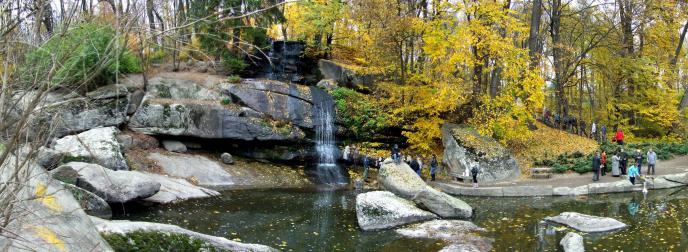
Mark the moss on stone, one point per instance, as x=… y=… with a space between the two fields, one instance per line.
x=156 y=241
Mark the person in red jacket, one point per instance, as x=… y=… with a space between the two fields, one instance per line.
x=619 y=137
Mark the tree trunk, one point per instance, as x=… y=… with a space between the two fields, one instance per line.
x=151 y=17
x=674 y=61
x=534 y=47
x=555 y=28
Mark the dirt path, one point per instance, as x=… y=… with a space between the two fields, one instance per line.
x=672 y=166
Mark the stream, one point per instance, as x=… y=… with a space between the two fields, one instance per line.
x=319 y=219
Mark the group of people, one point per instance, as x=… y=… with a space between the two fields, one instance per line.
x=579 y=127
x=620 y=164
x=416 y=163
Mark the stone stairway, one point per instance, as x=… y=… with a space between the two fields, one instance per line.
x=541 y=173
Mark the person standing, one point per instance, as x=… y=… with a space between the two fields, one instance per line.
x=475 y=170
x=651 y=161
x=619 y=137
x=396 y=153
x=420 y=164
x=596 y=162
x=603 y=160
x=366 y=163
x=615 y=165
x=624 y=161
x=414 y=166
x=638 y=158
x=632 y=173
x=433 y=167
x=603 y=136
x=593 y=131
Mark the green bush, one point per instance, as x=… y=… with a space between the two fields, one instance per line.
x=234 y=79
x=155 y=241
x=232 y=63
x=360 y=115
x=90 y=50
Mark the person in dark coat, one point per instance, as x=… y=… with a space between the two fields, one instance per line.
x=475 y=170
x=624 y=161
x=415 y=166
x=596 y=162
x=396 y=153
x=638 y=157
x=433 y=167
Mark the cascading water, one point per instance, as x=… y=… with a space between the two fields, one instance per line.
x=327 y=170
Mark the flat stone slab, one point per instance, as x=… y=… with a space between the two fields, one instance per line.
x=528 y=191
x=587 y=223
x=610 y=187
x=569 y=191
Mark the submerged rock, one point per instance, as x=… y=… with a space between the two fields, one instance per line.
x=201 y=170
x=381 y=210
x=112 y=186
x=461 y=234
x=572 y=242
x=587 y=223
x=442 y=204
x=219 y=243
x=97 y=145
x=463 y=146
x=90 y=202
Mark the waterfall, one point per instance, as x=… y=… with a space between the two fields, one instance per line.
x=327 y=170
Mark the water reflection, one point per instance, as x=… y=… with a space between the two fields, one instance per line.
x=656 y=222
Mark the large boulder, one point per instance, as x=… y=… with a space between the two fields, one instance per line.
x=203 y=171
x=106 y=106
x=279 y=100
x=90 y=202
x=381 y=210
x=124 y=227
x=442 y=204
x=173 y=190
x=572 y=242
x=44 y=216
x=112 y=186
x=97 y=145
x=463 y=146
x=587 y=223
x=400 y=179
x=459 y=233
x=681 y=178
x=345 y=75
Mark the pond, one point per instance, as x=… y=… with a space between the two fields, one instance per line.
x=325 y=220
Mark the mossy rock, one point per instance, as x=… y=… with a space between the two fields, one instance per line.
x=156 y=241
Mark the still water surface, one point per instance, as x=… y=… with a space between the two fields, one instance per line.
x=325 y=220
